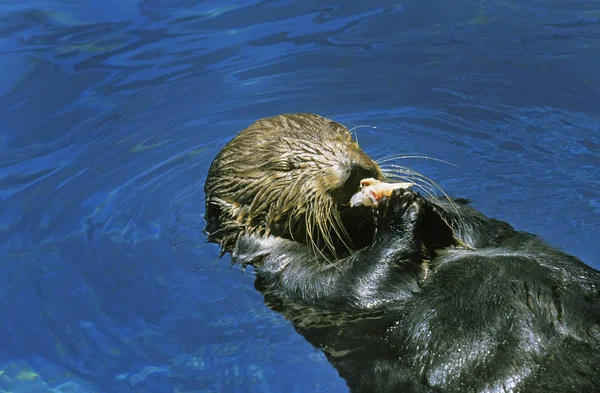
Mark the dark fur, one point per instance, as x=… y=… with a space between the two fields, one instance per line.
x=439 y=302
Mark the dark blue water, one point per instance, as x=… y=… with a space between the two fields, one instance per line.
x=112 y=110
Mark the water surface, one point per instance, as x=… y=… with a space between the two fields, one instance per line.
x=112 y=111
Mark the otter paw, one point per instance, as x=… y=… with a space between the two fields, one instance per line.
x=372 y=191
x=402 y=206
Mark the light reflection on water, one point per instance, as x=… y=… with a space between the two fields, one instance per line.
x=113 y=110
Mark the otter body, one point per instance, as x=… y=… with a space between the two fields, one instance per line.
x=418 y=294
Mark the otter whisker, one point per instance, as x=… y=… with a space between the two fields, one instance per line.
x=419 y=183
x=411 y=175
x=429 y=181
x=404 y=170
x=290 y=222
x=411 y=156
x=313 y=245
x=326 y=224
x=336 y=264
x=308 y=226
x=362 y=126
x=407 y=173
x=320 y=225
x=357 y=127
x=310 y=233
x=335 y=222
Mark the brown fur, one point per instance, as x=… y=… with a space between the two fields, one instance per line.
x=288 y=176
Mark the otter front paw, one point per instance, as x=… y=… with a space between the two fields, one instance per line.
x=372 y=191
x=403 y=207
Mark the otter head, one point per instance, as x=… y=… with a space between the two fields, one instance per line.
x=290 y=176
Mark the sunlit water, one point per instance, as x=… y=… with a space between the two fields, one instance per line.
x=112 y=111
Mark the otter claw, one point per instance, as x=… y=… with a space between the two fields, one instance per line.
x=372 y=191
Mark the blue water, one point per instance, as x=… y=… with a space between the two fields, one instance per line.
x=112 y=110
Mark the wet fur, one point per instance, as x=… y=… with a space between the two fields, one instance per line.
x=287 y=176
x=443 y=299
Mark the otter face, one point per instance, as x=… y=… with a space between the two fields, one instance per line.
x=290 y=176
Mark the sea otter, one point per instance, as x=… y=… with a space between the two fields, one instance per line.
x=414 y=294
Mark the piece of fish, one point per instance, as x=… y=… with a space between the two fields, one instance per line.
x=372 y=190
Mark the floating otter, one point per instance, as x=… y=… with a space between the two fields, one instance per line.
x=412 y=294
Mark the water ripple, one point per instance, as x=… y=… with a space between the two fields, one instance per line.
x=113 y=110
